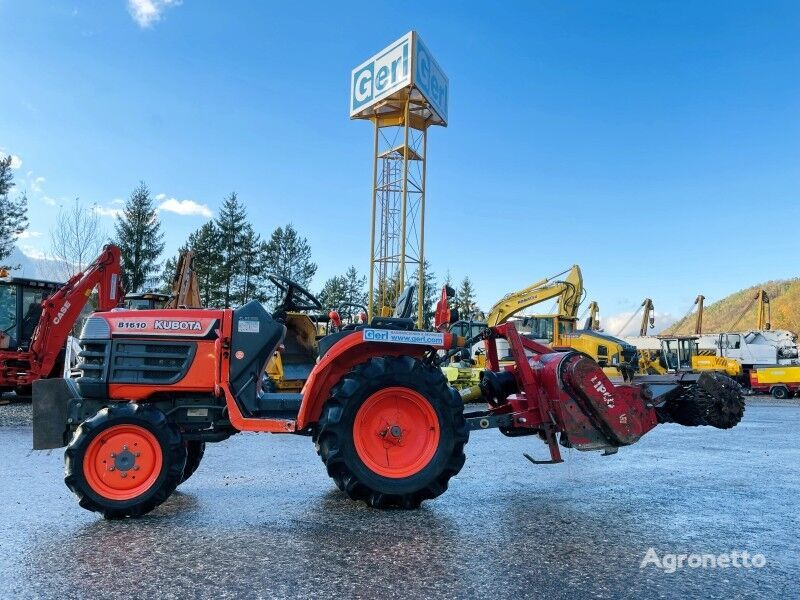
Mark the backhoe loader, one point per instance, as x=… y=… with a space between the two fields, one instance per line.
x=33 y=345
x=152 y=385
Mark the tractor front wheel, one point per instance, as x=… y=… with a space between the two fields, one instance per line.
x=393 y=432
x=124 y=461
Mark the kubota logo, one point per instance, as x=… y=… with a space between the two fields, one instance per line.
x=61 y=312
x=177 y=325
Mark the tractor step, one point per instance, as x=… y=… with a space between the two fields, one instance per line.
x=279 y=402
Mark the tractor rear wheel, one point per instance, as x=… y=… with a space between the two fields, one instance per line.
x=194 y=454
x=124 y=461
x=392 y=433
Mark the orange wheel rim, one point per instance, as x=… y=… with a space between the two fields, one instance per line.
x=122 y=462
x=396 y=432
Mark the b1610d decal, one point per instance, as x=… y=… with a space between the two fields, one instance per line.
x=190 y=327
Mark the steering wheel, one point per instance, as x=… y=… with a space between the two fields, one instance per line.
x=296 y=298
x=344 y=305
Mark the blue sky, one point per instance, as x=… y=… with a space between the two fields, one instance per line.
x=656 y=144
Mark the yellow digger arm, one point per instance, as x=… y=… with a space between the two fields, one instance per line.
x=569 y=292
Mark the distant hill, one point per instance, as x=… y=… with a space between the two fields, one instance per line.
x=721 y=315
x=29 y=266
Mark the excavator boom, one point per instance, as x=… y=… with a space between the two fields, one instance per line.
x=568 y=291
x=59 y=314
x=185 y=291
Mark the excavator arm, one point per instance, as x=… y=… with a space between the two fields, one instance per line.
x=185 y=291
x=61 y=310
x=569 y=292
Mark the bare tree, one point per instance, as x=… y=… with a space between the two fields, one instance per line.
x=75 y=241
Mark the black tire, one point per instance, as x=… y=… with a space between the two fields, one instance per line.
x=194 y=454
x=173 y=456
x=715 y=400
x=780 y=392
x=334 y=436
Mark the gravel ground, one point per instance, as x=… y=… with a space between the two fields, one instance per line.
x=260 y=519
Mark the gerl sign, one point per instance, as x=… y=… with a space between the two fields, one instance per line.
x=405 y=63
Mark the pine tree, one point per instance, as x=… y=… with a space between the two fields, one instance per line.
x=13 y=211
x=349 y=288
x=231 y=225
x=333 y=292
x=430 y=295
x=204 y=244
x=250 y=281
x=289 y=255
x=140 y=239
x=465 y=298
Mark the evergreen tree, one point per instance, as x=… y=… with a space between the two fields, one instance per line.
x=289 y=255
x=167 y=275
x=204 y=244
x=250 y=280
x=430 y=295
x=231 y=225
x=140 y=239
x=349 y=288
x=13 y=211
x=465 y=298
x=333 y=292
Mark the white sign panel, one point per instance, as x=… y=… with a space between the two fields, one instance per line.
x=430 y=79
x=394 y=336
x=382 y=75
x=404 y=63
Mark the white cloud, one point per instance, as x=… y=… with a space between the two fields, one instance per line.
x=36 y=184
x=107 y=211
x=614 y=323
x=49 y=201
x=28 y=234
x=184 y=207
x=16 y=161
x=148 y=12
x=118 y=201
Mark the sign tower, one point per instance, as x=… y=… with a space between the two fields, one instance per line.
x=403 y=91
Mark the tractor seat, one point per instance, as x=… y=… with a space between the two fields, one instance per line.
x=326 y=343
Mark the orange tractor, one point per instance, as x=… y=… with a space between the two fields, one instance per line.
x=153 y=387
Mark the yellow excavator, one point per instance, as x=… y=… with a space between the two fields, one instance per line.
x=559 y=330
x=681 y=353
x=593 y=316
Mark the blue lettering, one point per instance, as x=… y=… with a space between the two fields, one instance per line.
x=380 y=80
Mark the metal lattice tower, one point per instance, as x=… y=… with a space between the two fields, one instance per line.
x=398 y=213
x=403 y=91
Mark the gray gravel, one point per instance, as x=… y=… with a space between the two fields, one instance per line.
x=260 y=519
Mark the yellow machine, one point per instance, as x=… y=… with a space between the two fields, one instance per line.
x=557 y=330
x=184 y=294
x=680 y=353
x=593 y=318
x=185 y=290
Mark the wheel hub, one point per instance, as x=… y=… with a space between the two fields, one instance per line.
x=396 y=432
x=122 y=462
x=125 y=460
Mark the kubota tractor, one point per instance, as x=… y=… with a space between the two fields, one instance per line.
x=154 y=387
